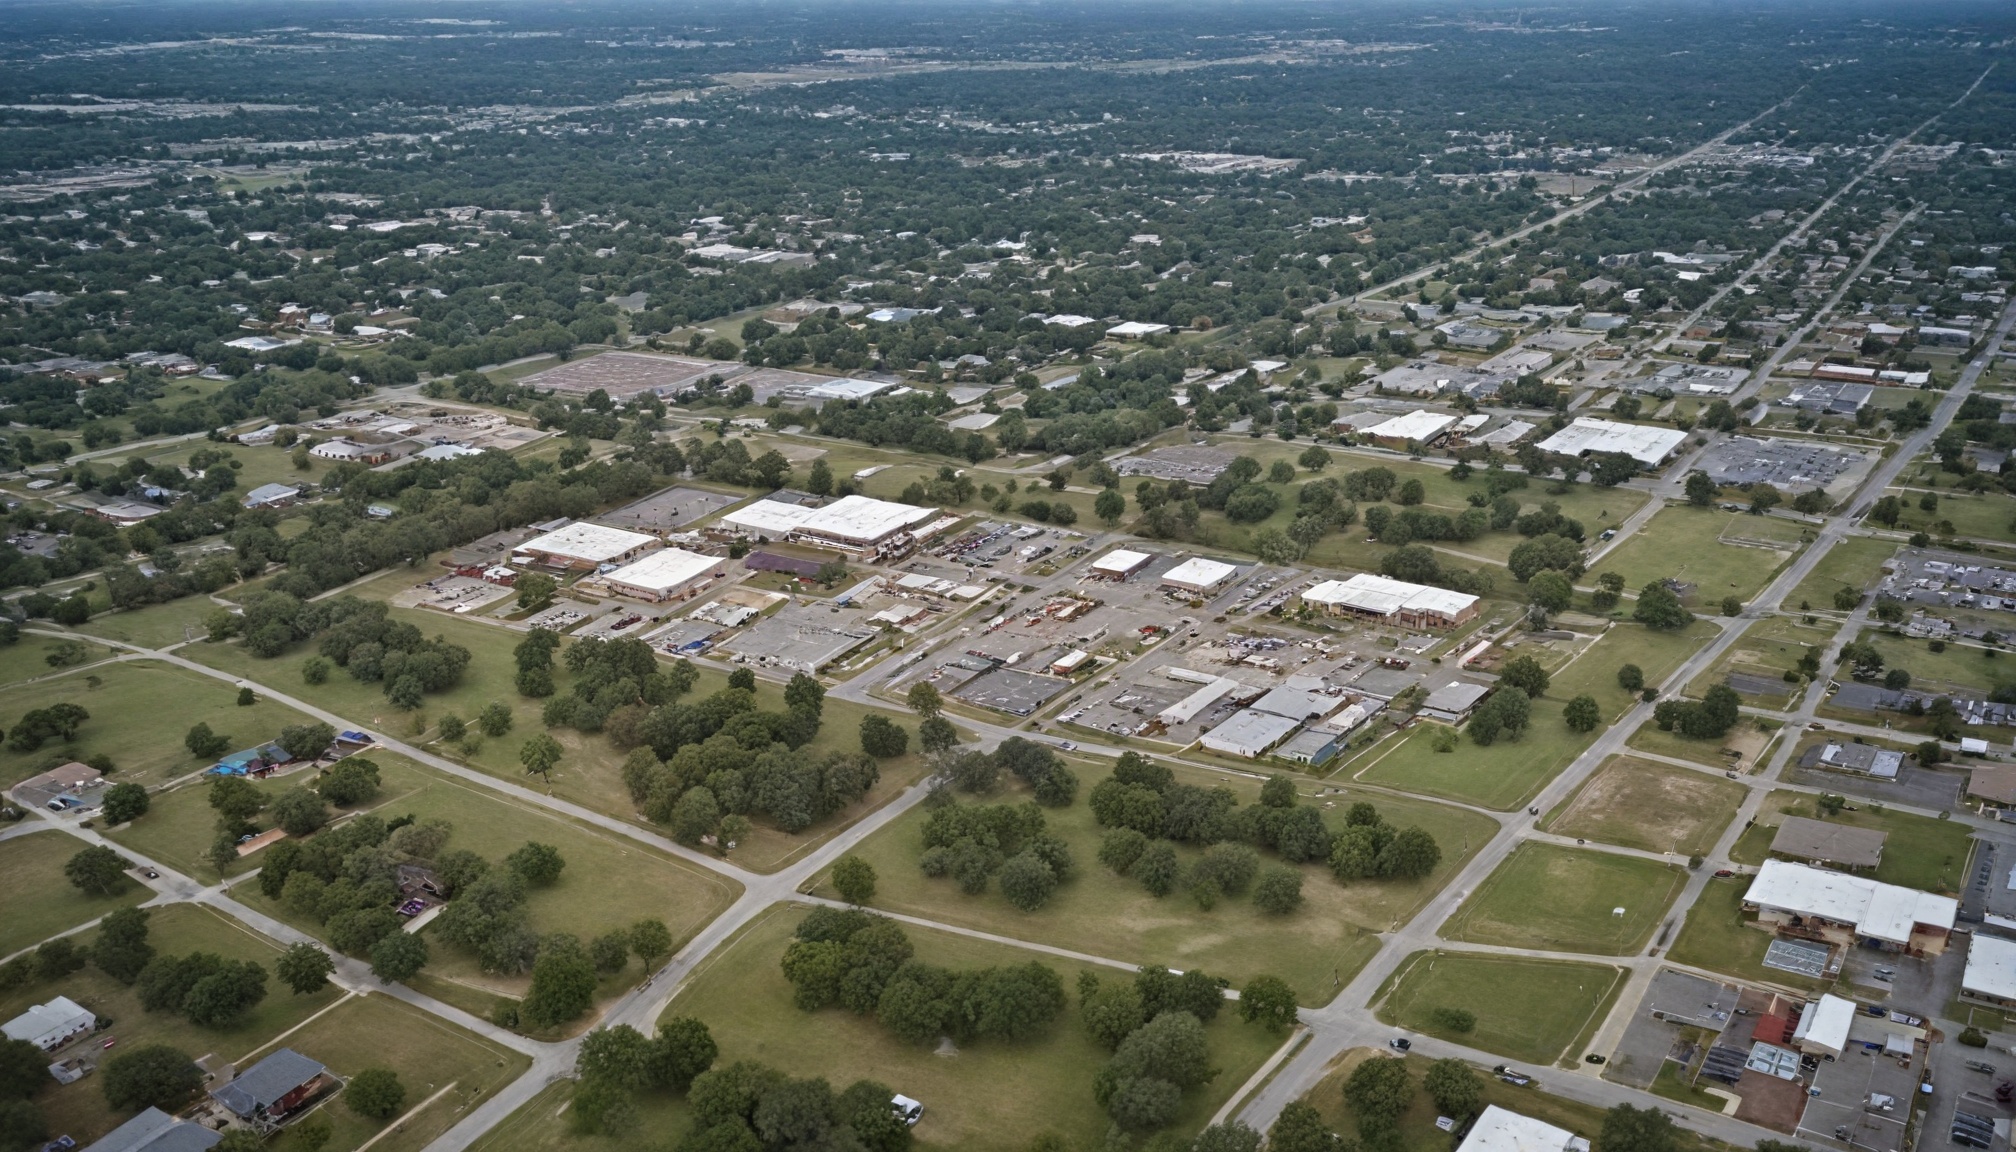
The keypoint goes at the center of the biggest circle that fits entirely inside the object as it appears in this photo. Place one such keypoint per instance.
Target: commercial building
(1991, 970)
(1194, 705)
(1119, 564)
(1453, 702)
(61, 788)
(1393, 601)
(50, 1026)
(1845, 397)
(1867, 759)
(1500, 1130)
(1644, 443)
(1198, 575)
(667, 574)
(860, 526)
(1835, 845)
(1250, 733)
(1992, 787)
(1136, 330)
(345, 450)
(585, 546)
(1824, 1025)
(272, 496)
(1417, 427)
(1839, 909)
(156, 1131)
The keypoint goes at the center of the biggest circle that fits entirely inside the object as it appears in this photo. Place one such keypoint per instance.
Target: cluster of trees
(1154, 1025)
(1709, 718)
(978, 843)
(747, 1105)
(615, 1064)
(1659, 607)
(863, 963)
(202, 987)
(357, 635)
(1509, 708)
(38, 726)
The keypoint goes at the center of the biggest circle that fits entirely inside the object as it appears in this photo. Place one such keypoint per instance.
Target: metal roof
(1884, 911)
(584, 541)
(667, 568)
(267, 1082)
(1991, 967)
(1642, 442)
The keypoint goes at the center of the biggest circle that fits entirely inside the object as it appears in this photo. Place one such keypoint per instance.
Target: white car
(906, 1109)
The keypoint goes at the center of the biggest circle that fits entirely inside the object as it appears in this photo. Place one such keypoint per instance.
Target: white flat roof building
(1419, 425)
(1198, 575)
(1824, 1026)
(1120, 563)
(863, 520)
(773, 518)
(52, 1025)
(847, 388)
(1249, 733)
(1193, 705)
(666, 574)
(1136, 330)
(1500, 1130)
(585, 545)
(1991, 969)
(1883, 912)
(1378, 596)
(1648, 445)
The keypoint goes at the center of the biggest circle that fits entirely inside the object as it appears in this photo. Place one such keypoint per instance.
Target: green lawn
(1502, 776)
(1768, 649)
(1985, 516)
(1526, 1009)
(1718, 937)
(1551, 898)
(139, 713)
(1738, 749)
(1961, 668)
(28, 658)
(1650, 806)
(1694, 544)
(429, 1055)
(37, 902)
(1855, 563)
(991, 1095)
(1656, 653)
(1920, 852)
(1103, 914)
(156, 625)
(541, 1125)
(79, 1109)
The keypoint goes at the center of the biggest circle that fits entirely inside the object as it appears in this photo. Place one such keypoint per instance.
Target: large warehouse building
(667, 574)
(1585, 436)
(1396, 601)
(862, 527)
(586, 546)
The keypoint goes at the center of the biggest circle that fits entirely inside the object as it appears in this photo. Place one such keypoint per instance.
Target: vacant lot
(990, 1095)
(28, 658)
(156, 625)
(79, 1109)
(429, 1055)
(1644, 804)
(1718, 936)
(1502, 775)
(1531, 1010)
(1962, 669)
(1852, 563)
(139, 712)
(1920, 852)
(1657, 655)
(1557, 899)
(1737, 750)
(1720, 553)
(1982, 516)
(1759, 659)
(36, 902)
(1104, 914)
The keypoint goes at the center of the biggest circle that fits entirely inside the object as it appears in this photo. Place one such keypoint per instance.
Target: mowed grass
(80, 1109)
(1689, 544)
(1527, 1009)
(1961, 668)
(156, 625)
(1767, 650)
(429, 1055)
(1552, 898)
(1920, 852)
(1720, 937)
(140, 710)
(1982, 516)
(28, 658)
(36, 902)
(1854, 562)
(990, 1095)
(1657, 654)
(1502, 775)
(1649, 806)
(1098, 912)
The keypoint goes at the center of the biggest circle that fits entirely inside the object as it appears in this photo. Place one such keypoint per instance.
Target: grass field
(990, 1095)
(139, 712)
(1104, 914)
(1526, 1009)
(156, 625)
(1983, 516)
(1650, 806)
(1502, 775)
(429, 1055)
(28, 658)
(1739, 749)
(36, 902)
(1852, 563)
(1961, 668)
(1657, 654)
(79, 1109)
(1767, 650)
(1921, 852)
(1693, 544)
(1552, 898)
(1717, 937)
(610, 882)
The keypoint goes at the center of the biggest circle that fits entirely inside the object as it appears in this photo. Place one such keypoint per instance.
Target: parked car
(907, 1110)
(1724, 872)
(1981, 1066)
(1400, 1044)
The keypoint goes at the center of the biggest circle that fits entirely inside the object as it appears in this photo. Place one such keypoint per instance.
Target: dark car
(1724, 872)
(1400, 1044)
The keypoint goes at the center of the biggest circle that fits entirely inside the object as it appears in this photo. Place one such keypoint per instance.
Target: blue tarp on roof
(353, 738)
(250, 760)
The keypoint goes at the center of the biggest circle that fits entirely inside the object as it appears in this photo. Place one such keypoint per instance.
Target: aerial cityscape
(1346, 576)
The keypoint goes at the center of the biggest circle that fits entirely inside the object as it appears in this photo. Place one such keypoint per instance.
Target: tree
(923, 699)
(1300, 1128)
(563, 987)
(205, 744)
(1158, 868)
(804, 694)
(1701, 491)
(375, 1093)
(300, 811)
(125, 802)
(97, 871)
(1027, 880)
(695, 816)
(882, 738)
(222, 996)
(620, 1056)
(235, 799)
(683, 1049)
(937, 734)
(398, 957)
(1582, 714)
(539, 755)
(306, 741)
(1267, 1000)
(1525, 674)
(535, 590)
(1230, 1136)
(1379, 1088)
(1315, 458)
(539, 865)
(1278, 890)
(1109, 506)
(350, 782)
(494, 719)
(1455, 1089)
(1629, 1129)
(304, 968)
(156, 1076)
(854, 879)
(121, 949)
(1550, 590)
(1631, 678)
(1660, 609)
(651, 940)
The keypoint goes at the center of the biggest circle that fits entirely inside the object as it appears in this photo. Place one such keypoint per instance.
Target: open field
(1852, 563)
(1764, 653)
(156, 625)
(541, 1125)
(1656, 653)
(1108, 915)
(36, 902)
(1650, 806)
(139, 712)
(429, 1055)
(1552, 898)
(28, 658)
(1533, 1010)
(79, 1109)
(1738, 750)
(1502, 775)
(1718, 937)
(1695, 545)
(1962, 668)
(1921, 852)
(1982, 516)
(990, 1095)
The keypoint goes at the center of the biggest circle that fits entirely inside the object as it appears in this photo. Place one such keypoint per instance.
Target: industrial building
(1500, 1130)
(1198, 575)
(585, 546)
(1119, 564)
(1394, 601)
(1839, 909)
(1991, 971)
(1644, 443)
(860, 526)
(667, 574)
(1417, 427)
(1251, 733)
